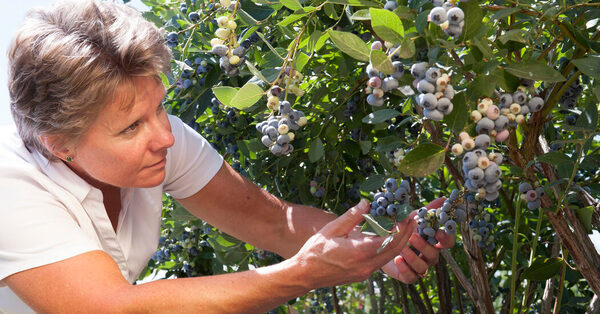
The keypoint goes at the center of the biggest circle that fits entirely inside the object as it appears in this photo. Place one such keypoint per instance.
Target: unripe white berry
(378, 92)
(222, 21)
(302, 121)
(231, 25)
(283, 129)
(483, 162)
(468, 143)
(234, 60)
(515, 108)
(225, 3)
(505, 111)
(463, 135)
(520, 118)
(222, 33)
(216, 41)
(511, 117)
(457, 149)
(291, 135)
(476, 116)
(273, 100)
(482, 107)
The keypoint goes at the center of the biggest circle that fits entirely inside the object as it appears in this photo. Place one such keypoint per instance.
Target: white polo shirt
(49, 213)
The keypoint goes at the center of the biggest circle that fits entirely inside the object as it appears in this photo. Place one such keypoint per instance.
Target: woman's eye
(131, 128)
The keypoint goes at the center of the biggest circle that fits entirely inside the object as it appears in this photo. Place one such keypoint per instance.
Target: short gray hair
(66, 62)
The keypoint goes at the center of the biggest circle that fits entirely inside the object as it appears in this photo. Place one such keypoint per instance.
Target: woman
(93, 151)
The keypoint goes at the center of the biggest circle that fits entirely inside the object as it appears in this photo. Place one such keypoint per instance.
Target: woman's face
(127, 148)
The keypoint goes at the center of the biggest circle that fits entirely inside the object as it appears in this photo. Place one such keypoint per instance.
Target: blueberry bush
(490, 104)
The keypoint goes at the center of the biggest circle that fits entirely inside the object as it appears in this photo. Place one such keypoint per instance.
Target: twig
(465, 283)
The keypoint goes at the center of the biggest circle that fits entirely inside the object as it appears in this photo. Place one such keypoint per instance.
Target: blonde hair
(66, 62)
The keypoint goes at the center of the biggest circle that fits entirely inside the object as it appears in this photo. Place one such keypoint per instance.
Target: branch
(465, 283)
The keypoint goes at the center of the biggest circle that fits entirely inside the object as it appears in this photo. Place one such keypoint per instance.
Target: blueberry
(535, 104)
(492, 173)
(391, 184)
(450, 227)
(519, 97)
(455, 15)
(432, 74)
(476, 174)
(434, 114)
(506, 100)
(485, 125)
(438, 15)
(470, 160)
(194, 17)
(390, 5)
(418, 70)
(524, 187)
(392, 209)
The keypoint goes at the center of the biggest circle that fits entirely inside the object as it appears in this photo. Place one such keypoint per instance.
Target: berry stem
(513, 280)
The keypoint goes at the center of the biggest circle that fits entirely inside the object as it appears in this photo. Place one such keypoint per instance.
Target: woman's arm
(243, 210)
(92, 282)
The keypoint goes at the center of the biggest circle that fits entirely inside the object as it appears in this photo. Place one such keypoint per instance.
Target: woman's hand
(340, 254)
(408, 266)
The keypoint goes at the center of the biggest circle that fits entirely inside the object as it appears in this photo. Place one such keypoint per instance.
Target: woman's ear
(56, 146)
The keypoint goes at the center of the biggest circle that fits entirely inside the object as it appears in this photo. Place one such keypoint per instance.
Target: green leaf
(256, 72)
(577, 35)
(316, 150)
(373, 183)
(590, 66)
(380, 62)
(388, 143)
(365, 146)
(483, 47)
(356, 3)
(482, 85)
(421, 22)
(423, 160)
(403, 212)
(504, 13)
(256, 12)
(380, 116)
(292, 18)
(555, 158)
(543, 269)
(473, 18)
(179, 213)
(387, 25)
(291, 4)
(515, 35)
(457, 119)
(225, 94)
(361, 15)
(535, 70)
(387, 241)
(505, 80)
(378, 229)
(588, 119)
(407, 49)
(585, 216)
(247, 96)
(404, 13)
(301, 61)
(350, 44)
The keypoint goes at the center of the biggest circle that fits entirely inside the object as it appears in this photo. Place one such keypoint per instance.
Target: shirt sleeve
(36, 229)
(191, 162)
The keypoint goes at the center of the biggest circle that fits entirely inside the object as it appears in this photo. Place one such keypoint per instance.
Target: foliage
(543, 46)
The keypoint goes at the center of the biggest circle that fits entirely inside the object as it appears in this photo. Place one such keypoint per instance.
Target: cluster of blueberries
(481, 225)
(532, 196)
(193, 77)
(481, 170)
(225, 45)
(453, 211)
(388, 201)
(569, 99)
(316, 190)
(448, 16)
(276, 130)
(435, 90)
(396, 156)
(186, 249)
(379, 83)
(351, 106)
